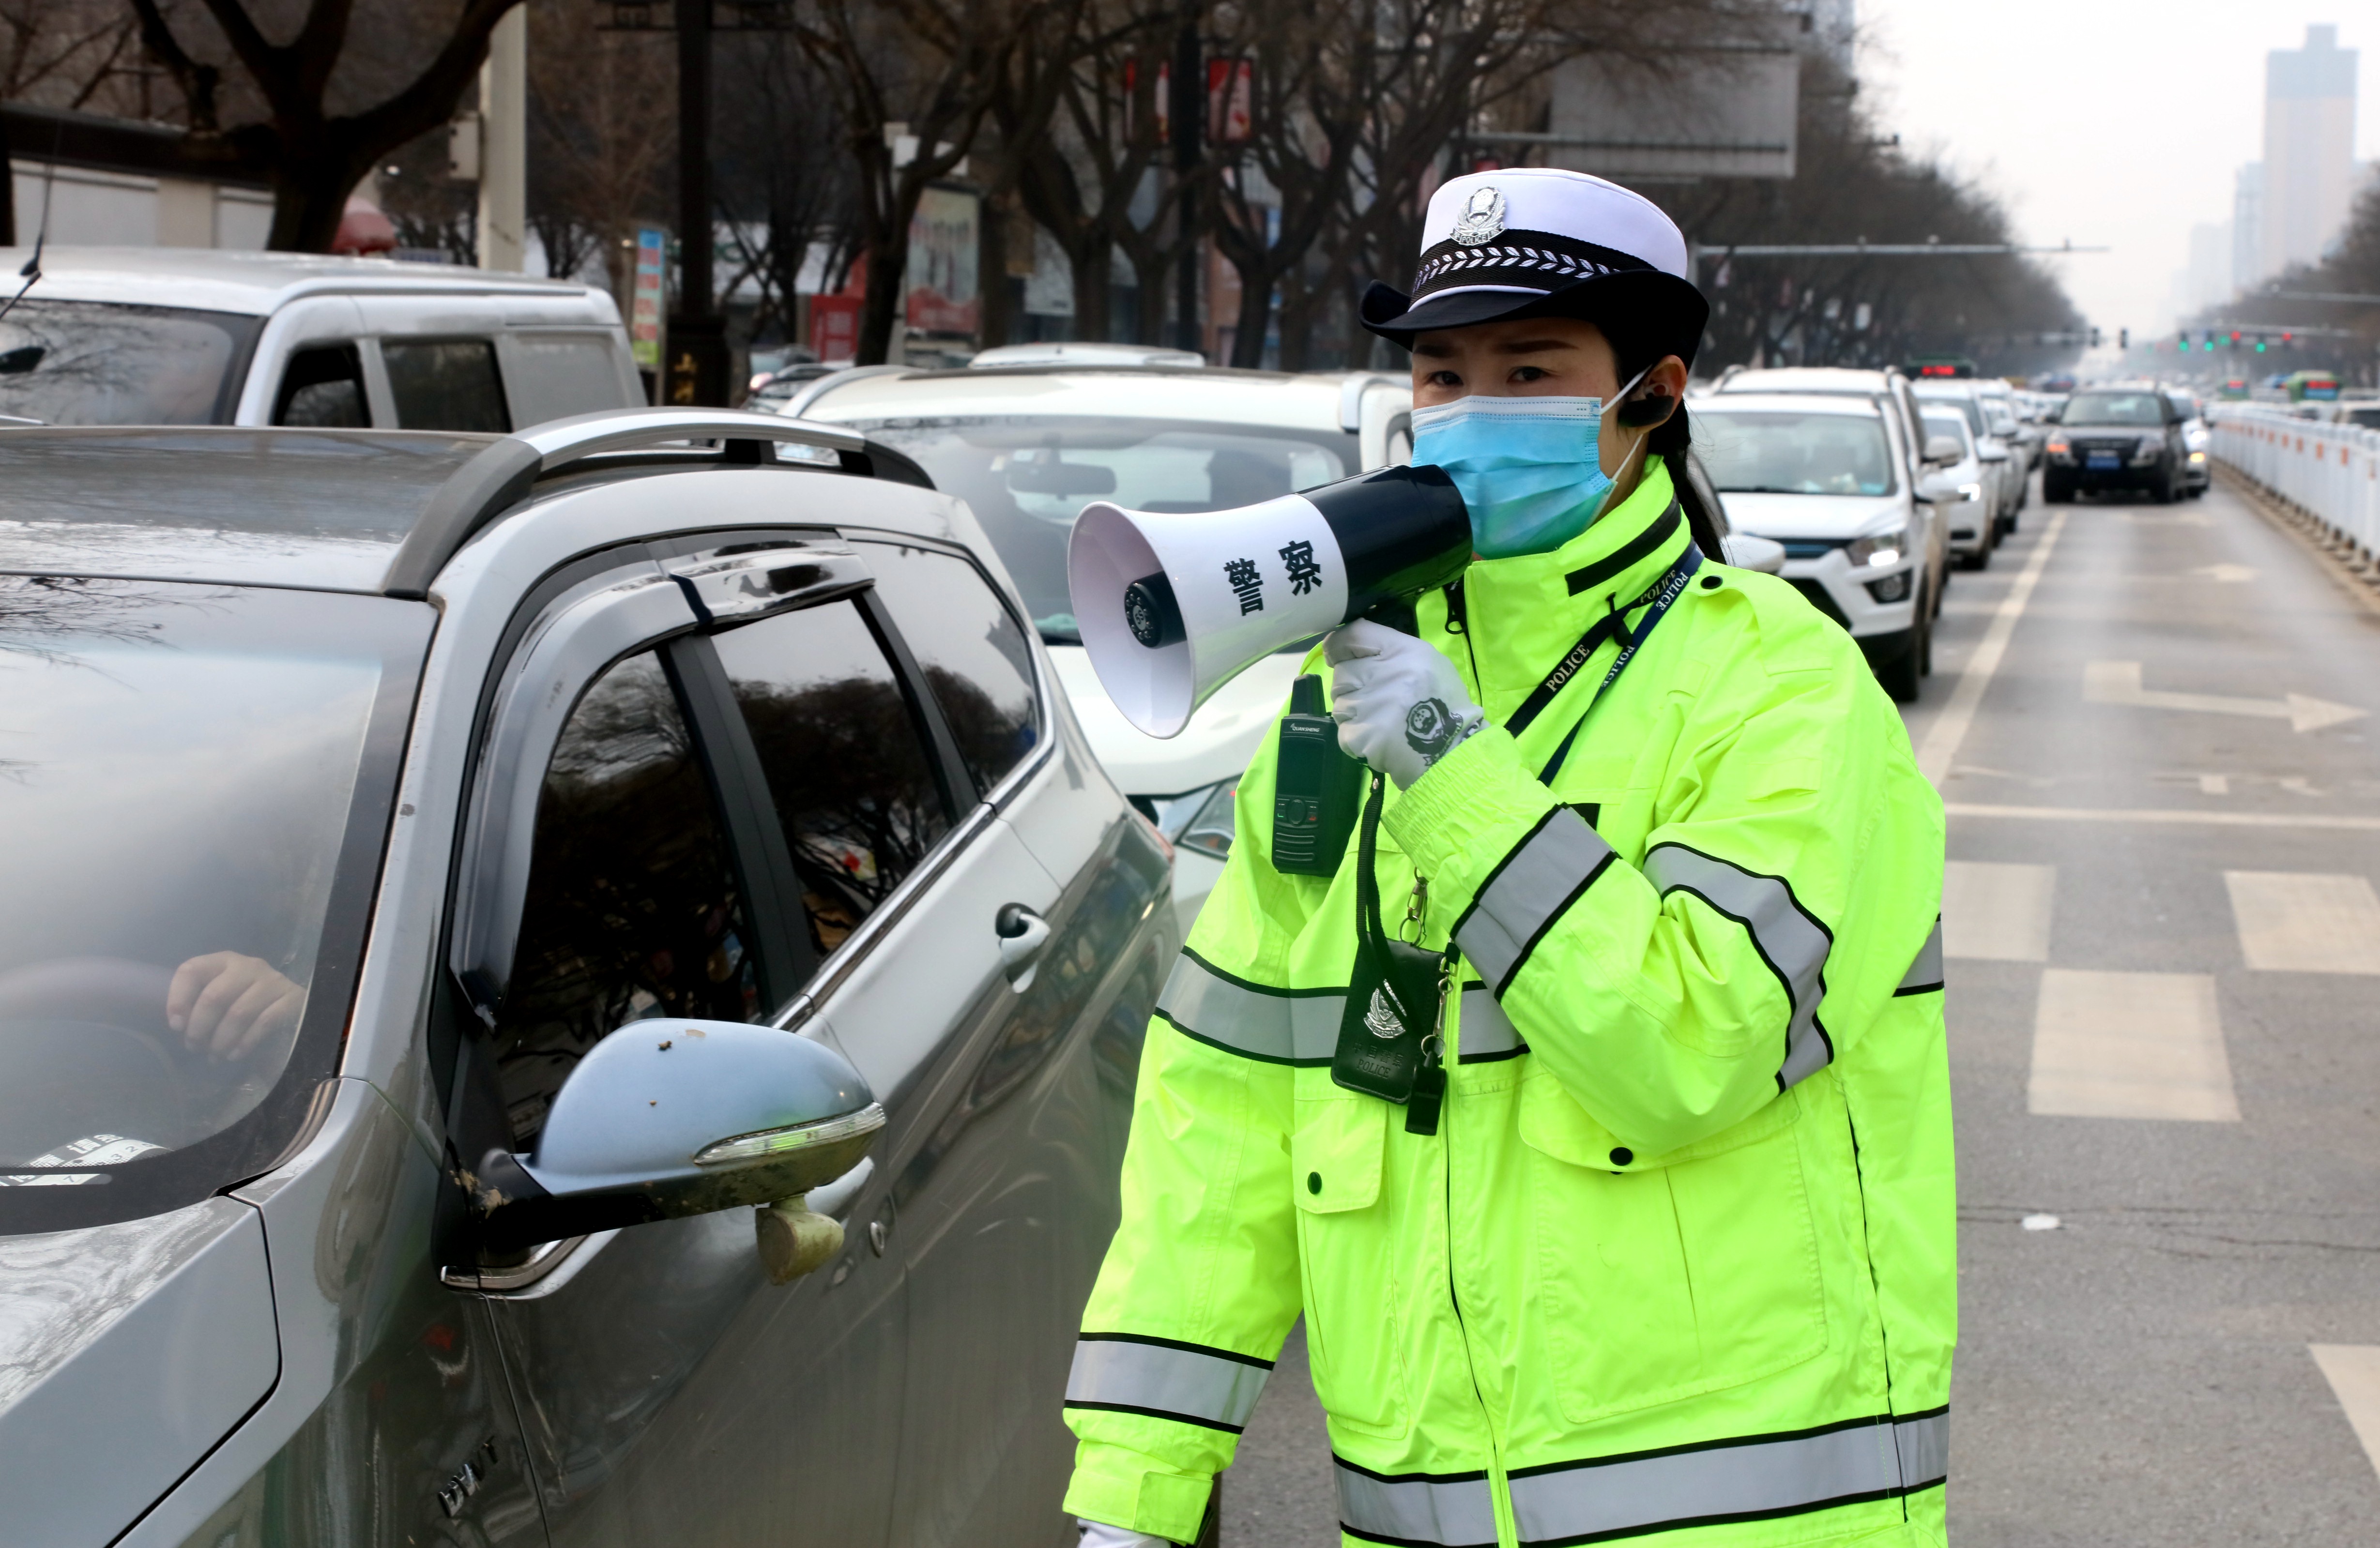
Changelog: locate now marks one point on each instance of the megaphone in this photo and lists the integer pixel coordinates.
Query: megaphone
(1172, 606)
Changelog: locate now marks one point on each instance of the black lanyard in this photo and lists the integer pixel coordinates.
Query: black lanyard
(1658, 600)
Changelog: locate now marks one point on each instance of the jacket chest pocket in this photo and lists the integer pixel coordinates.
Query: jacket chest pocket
(1680, 1275)
(1353, 1281)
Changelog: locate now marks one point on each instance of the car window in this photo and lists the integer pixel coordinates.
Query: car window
(1952, 425)
(631, 909)
(845, 757)
(445, 385)
(972, 650)
(89, 363)
(557, 375)
(322, 388)
(2115, 409)
(1793, 454)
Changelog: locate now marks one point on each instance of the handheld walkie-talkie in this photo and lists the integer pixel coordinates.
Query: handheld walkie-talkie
(1317, 789)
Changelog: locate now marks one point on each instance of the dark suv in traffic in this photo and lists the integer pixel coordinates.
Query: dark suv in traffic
(2116, 437)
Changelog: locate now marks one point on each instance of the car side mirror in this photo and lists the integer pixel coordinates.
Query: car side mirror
(675, 1116)
(1992, 453)
(1944, 448)
(1937, 489)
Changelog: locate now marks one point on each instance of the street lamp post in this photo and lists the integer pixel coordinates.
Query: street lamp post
(698, 336)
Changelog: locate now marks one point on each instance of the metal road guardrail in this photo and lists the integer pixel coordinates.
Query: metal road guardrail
(2331, 472)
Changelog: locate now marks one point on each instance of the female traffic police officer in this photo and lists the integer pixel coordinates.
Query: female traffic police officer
(1675, 1260)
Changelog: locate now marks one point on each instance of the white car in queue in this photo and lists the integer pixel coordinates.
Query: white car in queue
(1973, 531)
(1825, 477)
(1029, 434)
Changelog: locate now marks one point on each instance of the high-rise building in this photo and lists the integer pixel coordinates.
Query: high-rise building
(2207, 281)
(2309, 175)
(2248, 225)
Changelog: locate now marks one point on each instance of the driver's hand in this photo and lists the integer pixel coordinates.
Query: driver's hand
(225, 1004)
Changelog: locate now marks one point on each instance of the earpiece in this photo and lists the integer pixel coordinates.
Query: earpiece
(1646, 411)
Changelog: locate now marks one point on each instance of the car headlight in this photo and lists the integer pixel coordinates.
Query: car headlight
(2150, 448)
(1883, 549)
(1203, 821)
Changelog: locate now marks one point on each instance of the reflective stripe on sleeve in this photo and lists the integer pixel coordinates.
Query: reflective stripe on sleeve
(1439, 1510)
(1925, 975)
(1789, 940)
(1125, 1372)
(1279, 1026)
(1486, 1033)
(1754, 1478)
(1529, 889)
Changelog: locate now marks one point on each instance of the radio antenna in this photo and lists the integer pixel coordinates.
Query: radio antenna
(31, 271)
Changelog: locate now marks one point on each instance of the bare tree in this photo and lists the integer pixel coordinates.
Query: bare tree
(912, 80)
(317, 151)
(602, 130)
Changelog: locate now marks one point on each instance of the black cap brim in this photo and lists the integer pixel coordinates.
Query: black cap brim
(1640, 308)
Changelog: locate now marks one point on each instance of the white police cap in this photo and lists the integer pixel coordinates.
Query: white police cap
(1541, 241)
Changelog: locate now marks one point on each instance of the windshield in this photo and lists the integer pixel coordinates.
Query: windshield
(1966, 407)
(2114, 408)
(1782, 453)
(91, 363)
(193, 792)
(1028, 476)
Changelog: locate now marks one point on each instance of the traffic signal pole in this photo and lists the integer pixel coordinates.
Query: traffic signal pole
(1187, 108)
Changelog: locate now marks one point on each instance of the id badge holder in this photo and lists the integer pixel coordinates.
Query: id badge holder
(1391, 1013)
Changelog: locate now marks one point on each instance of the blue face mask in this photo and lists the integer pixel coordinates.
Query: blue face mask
(1530, 469)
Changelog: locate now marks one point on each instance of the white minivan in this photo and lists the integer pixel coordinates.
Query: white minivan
(196, 336)
(1828, 476)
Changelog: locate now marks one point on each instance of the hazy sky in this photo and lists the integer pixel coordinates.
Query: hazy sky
(2116, 123)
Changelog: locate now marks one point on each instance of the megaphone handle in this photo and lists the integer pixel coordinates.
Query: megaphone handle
(1397, 612)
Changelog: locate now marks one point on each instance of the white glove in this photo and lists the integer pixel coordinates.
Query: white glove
(1099, 1535)
(1399, 704)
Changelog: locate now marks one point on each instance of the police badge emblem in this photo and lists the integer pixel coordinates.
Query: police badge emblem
(1483, 217)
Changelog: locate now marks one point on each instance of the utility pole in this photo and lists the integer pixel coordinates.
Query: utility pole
(1188, 110)
(503, 145)
(697, 337)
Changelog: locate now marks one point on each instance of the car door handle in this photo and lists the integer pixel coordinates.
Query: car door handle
(1023, 933)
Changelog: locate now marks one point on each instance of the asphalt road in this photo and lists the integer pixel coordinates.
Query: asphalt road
(2165, 1045)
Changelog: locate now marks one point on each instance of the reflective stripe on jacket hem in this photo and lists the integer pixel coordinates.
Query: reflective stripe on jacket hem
(1256, 1020)
(1925, 975)
(1755, 1477)
(1426, 1510)
(1164, 1378)
(1788, 936)
(1532, 886)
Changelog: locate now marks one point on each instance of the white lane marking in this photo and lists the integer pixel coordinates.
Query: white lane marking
(2298, 784)
(1950, 728)
(2305, 922)
(2161, 815)
(2230, 574)
(2130, 1045)
(2214, 784)
(2119, 683)
(1997, 913)
(2353, 1372)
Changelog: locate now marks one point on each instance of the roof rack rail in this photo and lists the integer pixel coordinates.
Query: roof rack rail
(482, 489)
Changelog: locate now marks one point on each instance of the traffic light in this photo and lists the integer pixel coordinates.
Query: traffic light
(2260, 347)
(2095, 338)
(2181, 342)
(2285, 341)
(2123, 338)
(2235, 338)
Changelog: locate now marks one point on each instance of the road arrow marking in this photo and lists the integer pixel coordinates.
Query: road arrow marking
(2233, 574)
(2119, 683)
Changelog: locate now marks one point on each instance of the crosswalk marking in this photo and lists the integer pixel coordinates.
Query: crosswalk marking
(2130, 1045)
(1997, 913)
(2353, 1372)
(2305, 922)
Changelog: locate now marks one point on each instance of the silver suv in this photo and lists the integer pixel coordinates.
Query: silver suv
(552, 988)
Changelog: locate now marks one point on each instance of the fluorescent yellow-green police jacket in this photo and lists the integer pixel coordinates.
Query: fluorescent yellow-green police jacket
(1679, 1263)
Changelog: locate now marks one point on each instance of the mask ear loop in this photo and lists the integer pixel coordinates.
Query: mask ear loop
(1618, 477)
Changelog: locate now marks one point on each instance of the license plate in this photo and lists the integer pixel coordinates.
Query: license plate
(2104, 459)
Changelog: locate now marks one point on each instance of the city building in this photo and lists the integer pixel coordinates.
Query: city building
(2248, 225)
(2309, 170)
